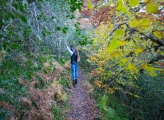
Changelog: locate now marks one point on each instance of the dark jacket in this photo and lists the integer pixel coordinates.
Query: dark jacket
(74, 58)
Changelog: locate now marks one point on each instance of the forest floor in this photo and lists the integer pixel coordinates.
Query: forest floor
(82, 105)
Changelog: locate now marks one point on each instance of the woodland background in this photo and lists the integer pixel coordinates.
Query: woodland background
(121, 45)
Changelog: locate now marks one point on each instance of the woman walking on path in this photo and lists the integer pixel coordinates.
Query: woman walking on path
(75, 58)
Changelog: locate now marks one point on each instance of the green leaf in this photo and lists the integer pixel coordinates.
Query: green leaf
(21, 7)
(52, 17)
(104, 100)
(65, 28)
(134, 23)
(134, 3)
(152, 7)
(44, 34)
(14, 46)
(136, 96)
(43, 59)
(113, 45)
(23, 18)
(10, 15)
(145, 22)
(64, 31)
(45, 71)
(58, 28)
(82, 42)
(124, 9)
(118, 33)
(119, 5)
(16, 6)
(90, 6)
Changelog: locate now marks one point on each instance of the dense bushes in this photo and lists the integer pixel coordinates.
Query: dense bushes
(32, 35)
(126, 57)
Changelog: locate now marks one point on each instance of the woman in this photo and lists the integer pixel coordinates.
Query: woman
(75, 58)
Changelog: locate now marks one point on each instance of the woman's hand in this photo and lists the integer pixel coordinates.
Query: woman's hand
(65, 43)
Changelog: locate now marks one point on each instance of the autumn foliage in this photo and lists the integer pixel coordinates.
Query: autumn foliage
(128, 48)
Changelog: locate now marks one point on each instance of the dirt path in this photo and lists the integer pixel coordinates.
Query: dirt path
(82, 106)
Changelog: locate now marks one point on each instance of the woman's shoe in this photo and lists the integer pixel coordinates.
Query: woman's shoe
(75, 81)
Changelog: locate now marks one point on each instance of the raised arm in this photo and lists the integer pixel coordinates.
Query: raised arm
(68, 49)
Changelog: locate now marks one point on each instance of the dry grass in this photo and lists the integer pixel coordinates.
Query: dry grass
(67, 66)
(39, 101)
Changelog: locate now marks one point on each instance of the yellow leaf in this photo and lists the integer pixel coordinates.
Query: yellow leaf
(111, 12)
(97, 83)
(111, 25)
(100, 69)
(158, 34)
(129, 13)
(146, 1)
(150, 69)
(122, 43)
(124, 60)
(118, 33)
(139, 50)
(119, 5)
(134, 3)
(111, 90)
(117, 13)
(152, 7)
(132, 68)
(145, 22)
(90, 6)
(134, 23)
(115, 55)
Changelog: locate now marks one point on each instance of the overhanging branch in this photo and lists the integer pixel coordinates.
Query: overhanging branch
(159, 57)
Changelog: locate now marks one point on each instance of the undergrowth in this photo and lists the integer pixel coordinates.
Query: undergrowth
(25, 88)
(123, 104)
(59, 112)
(110, 106)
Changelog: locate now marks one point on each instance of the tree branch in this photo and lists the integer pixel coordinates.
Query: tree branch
(159, 57)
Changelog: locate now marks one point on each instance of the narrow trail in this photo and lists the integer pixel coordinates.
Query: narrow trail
(82, 106)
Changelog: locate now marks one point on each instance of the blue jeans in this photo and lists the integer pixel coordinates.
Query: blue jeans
(74, 71)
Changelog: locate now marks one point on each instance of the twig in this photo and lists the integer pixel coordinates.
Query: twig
(8, 25)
